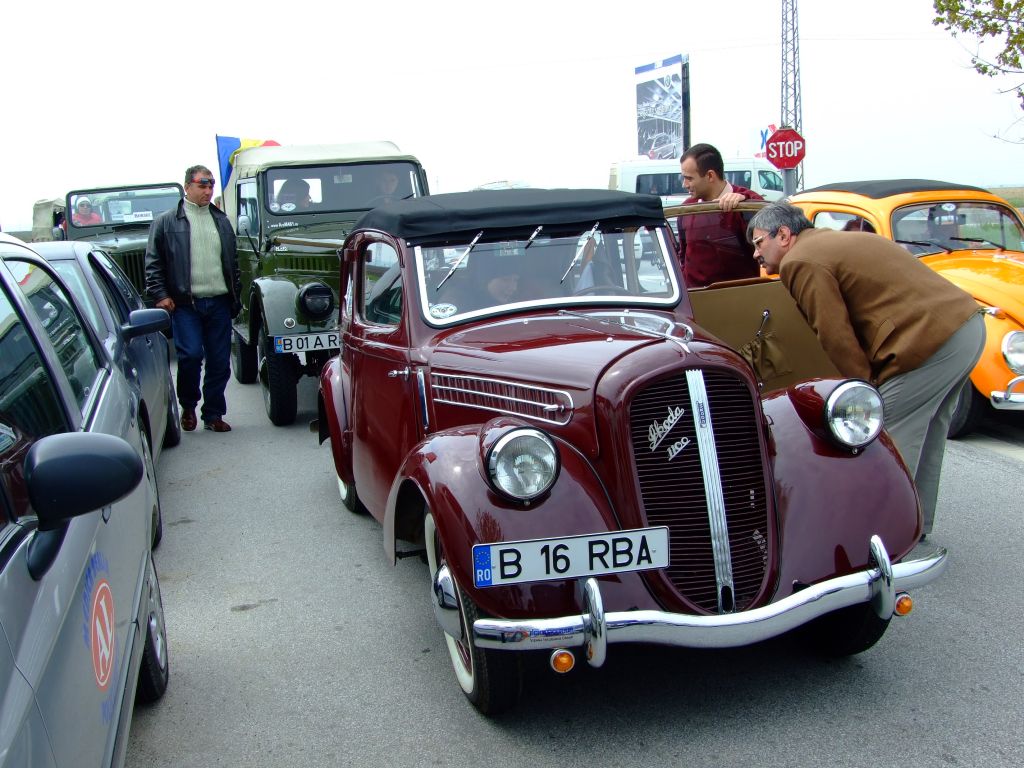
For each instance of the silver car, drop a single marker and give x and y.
(82, 633)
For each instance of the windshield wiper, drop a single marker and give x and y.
(459, 260)
(535, 233)
(579, 251)
(1000, 246)
(925, 244)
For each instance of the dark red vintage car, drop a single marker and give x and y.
(525, 397)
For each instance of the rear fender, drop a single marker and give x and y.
(468, 511)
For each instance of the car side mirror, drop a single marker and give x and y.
(58, 233)
(244, 225)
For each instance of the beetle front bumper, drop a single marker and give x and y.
(1009, 400)
(594, 629)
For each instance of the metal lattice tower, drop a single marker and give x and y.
(792, 111)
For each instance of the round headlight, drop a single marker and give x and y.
(1013, 350)
(316, 300)
(853, 413)
(523, 464)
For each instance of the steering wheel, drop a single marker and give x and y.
(615, 290)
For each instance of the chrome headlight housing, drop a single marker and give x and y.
(523, 464)
(853, 413)
(316, 300)
(1013, 350)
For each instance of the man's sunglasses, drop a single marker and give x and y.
(203, 182)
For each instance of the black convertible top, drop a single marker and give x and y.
(460, 215)
(887, 187)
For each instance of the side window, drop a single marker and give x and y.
(78, 357)
(770, 180)
(30, 407)
(71, 274)
(382, 285)
(248, 205)
(113, 280)
(847, 222)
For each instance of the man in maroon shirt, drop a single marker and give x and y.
(713, 246)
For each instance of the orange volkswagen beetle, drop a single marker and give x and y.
(967, 234)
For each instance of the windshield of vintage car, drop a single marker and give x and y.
(937, 227)
(621, 266)
(293, 191)
(110, 206)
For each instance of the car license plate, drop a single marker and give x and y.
(572, 557)
(307, 342)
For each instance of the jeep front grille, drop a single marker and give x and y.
(327, 264)
(134, 265)
(549, 405)
(706, 483)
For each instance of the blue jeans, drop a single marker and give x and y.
(203, 332)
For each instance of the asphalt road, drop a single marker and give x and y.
(293, 642)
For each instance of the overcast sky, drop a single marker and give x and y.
(111, 92)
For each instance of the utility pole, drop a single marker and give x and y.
(792, 111)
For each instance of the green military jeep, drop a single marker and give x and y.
(291, 207)
(117, 220)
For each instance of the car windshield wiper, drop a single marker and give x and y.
(1000, 246)
(925, 244)
(459, 260)
(579, 251)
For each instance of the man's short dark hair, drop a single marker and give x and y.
(707, 159)
(193, 170)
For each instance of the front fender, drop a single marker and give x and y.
(830, 501)
(333, 416)
(468, 511)
(276, 297)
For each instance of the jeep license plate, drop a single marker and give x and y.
(572, 557)
(307, 342)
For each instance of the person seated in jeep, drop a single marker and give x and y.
(294, 194)
(84, 215)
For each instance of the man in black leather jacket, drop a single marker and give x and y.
(192, 272)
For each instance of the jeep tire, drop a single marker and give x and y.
(243, 360)
(279, 377)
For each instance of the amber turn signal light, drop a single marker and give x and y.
(904, 604)
(562, 661)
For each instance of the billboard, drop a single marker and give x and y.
(663, 108)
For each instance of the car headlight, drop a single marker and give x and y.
(523, 464)
(316, 300)
(853, 413)
(1013, 350)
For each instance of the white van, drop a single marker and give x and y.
(662, 177)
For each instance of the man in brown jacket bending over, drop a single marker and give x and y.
(884, 317)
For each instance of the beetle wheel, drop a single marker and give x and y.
(970, 409)
(491, 680)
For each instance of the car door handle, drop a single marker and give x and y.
(399, 373)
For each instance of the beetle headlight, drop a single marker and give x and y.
(853, 413)
(523, 464)
(1013, 350)
(316, 300)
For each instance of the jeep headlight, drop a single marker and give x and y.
(316, 300)
(1013, 350)
(853, 413)
(523, 464)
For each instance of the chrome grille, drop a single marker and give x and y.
(549, 405)
(673, 492)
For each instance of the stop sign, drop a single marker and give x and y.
(785, 149)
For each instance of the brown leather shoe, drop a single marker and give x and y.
(188, 419)
(218, 425)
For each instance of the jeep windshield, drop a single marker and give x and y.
(956, 225)
(482, 276)
(120, 207)
(294, 191)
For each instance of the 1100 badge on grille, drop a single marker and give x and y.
(571, 557)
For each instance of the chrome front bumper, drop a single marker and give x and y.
(594, 629)
(1009, 400)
